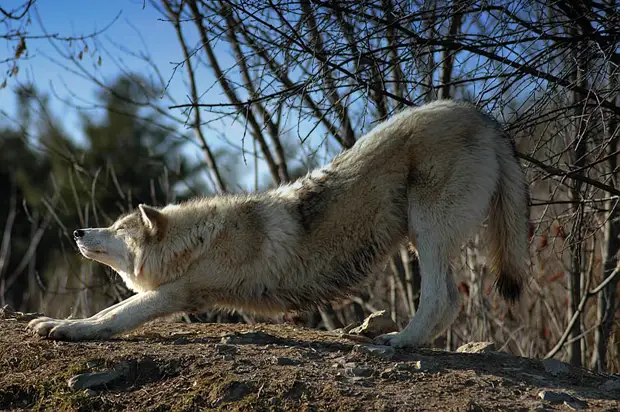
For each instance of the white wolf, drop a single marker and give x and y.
(428, 175)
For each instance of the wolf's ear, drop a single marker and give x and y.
(154, 221)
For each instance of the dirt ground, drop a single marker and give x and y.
(176, 366)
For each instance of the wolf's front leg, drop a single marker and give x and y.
(43, 325)
(122, 317)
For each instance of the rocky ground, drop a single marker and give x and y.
(174, 366)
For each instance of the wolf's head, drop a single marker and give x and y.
(122, 246)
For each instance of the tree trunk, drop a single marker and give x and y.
(448, 55)
(606, 307)
(576, 260)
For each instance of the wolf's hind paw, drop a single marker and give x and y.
(396, 340)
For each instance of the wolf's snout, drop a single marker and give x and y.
(78, 234)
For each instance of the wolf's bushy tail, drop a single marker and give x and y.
(508, 229)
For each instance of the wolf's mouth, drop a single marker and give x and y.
(90, 251)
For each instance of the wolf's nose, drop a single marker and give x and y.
(78, 233)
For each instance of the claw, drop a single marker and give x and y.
(34, 322)
(67, 329)
(45, 326)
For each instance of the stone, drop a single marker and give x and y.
(224, 349)
(282, 361)
(7, 312)
(362, 371)
(477, 347)
(94, 379)
(233, 391)
(347, 328)
(376, 324)
(422, 365)
(576, 404)
(555, 397)
(387, 373)
(182, 340)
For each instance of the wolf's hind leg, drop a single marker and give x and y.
(439, 300)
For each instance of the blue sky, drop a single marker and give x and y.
(137, 28)
(74, 18)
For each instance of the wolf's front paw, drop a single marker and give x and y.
(42, 326)
(67, 329)
(396, 340)
(70, 331)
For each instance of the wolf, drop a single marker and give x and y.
(429, 175)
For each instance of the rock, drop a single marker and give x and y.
(346, 329)
(94, 379)
(27, 317)
(282, 361)
(395, 373)
(357, 379)
(374, 325)
(477, 347)
(611, 385)
(402, 366)
(233, 391)
(415, 366)
(224, 349)
(362, 371)
(246, 338)
(90, 393)
(387, 373)
(564, 398)
(343, 362)
(92, 364)
(555, 397)
(556, 367)
(7, 312)
(379, 351)
(576, 404)
(422, 365)
(338, 362)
